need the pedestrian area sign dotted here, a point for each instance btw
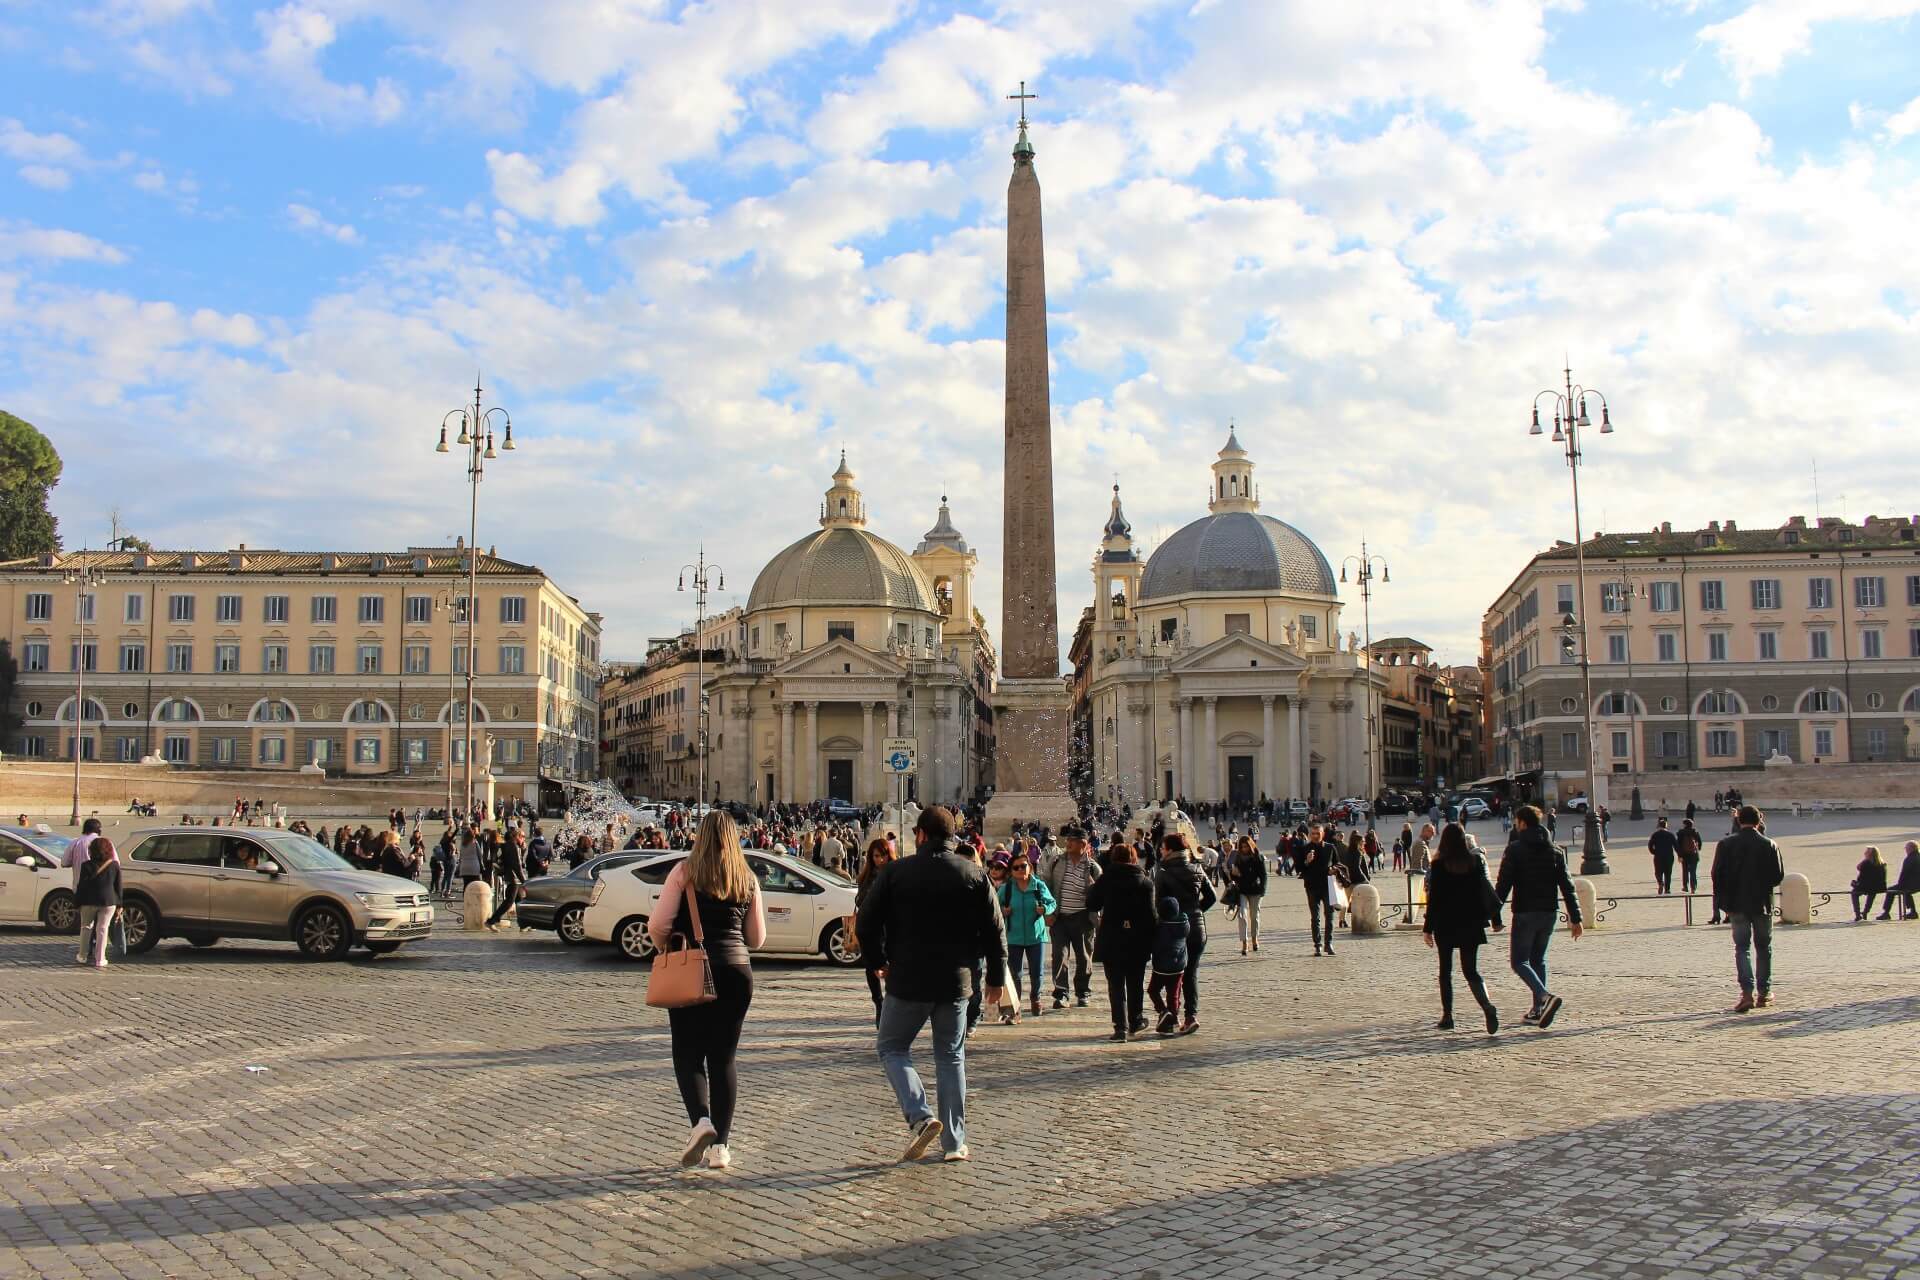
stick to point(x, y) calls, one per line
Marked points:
point(897, 755)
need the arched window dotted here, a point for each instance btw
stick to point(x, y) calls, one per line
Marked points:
point(176, 710)
point(1912, 701)
point(368, 711)
point(1614, 703)
point(94, 710)
point(272, 711)
point(1720, 702)
point(1815, 702)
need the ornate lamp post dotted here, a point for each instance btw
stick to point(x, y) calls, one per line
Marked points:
point(1569, 420)
point(699, 573)
point(88, 581)
point(1365, 568)
point(476, 440)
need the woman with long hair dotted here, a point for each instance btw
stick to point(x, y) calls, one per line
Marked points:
point(716, 881)
point(1460, 905)
point(1247, 873)
point(878, 856)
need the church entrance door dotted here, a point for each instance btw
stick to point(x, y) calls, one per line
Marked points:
point(840, 780)
point(1240, 781)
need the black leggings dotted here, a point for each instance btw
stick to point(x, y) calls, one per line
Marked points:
point(1469, 969)
point(706, 1038)
point(1126, 991)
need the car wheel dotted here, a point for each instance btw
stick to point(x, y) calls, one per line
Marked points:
point(60, 912)
point(838, 947)
point(571, 925)
point(323, 934)
point(383, 948)
point(632, 938)
point(142, 924)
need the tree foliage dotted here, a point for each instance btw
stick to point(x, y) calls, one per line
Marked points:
point(29, 468)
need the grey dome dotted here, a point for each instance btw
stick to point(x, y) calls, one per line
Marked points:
point(1237, 551)
point(842, 565)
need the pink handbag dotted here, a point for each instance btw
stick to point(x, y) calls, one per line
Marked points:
point(682, 975)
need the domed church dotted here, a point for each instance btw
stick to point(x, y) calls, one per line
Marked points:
point(847, 640)
point(1217, 671)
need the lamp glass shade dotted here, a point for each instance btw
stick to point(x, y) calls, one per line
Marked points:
point(442, 446)
point(506, 446)
point(1585, 421)
point(463, 437)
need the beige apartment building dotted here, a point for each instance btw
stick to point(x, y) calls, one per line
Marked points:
point(353, 662)
point(649, 737)
point(1429, 718)
point(1714, 648)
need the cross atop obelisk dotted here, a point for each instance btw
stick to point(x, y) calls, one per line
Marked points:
point(1030, 701)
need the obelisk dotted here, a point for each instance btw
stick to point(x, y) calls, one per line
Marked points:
point(1031, 714)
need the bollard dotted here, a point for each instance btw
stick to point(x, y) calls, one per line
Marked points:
point(1589, 902)
point(1365, 906)
point(1796, 899)
point(476, 905)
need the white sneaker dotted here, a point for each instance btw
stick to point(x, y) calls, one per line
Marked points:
point(718, 1157)
point(699, 1139)
point(80, 957)
point(958, 1154)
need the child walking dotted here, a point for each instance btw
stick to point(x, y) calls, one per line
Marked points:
point(1169, 966)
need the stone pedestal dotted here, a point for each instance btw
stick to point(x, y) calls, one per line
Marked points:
point(1366, 908)
point(1796, 899)
point(1032, 720)
point(476, 904)
point(1589, 901)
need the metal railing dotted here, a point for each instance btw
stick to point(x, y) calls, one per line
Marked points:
point(1605, 905)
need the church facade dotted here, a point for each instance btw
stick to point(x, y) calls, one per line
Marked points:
point(847, 640)
point(1217, 671)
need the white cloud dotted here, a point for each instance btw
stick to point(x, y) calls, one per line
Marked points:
point(1905, 122)
point(293, 38)
point(309, 219)
point(46, 177)
point(1757, 41)
point(22, 240)
point(17, 142)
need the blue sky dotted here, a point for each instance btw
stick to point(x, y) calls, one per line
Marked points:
point(250, 254)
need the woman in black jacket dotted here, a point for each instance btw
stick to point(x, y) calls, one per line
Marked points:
point(1869, 881)
point(98, 893)
point(1248, 876)
point(1179, 877)
point(879, 854)
point(1460, 905)
point(1123, 897)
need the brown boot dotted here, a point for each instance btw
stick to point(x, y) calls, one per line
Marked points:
point(1746, 1003)
point(1762, 1000)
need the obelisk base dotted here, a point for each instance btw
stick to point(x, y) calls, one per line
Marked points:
point(1031, 719)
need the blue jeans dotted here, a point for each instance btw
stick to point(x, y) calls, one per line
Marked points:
point(900, 1023)
point(1757, 932)
point(1532, 930)
point(1030, 954)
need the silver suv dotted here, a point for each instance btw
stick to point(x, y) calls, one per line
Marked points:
point(204, 884)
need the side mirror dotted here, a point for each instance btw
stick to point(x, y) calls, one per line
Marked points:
point(25, 860)
point(268, 869)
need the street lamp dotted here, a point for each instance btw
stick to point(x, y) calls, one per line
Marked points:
point(88, 581)
point(1365, 568)
point(699, 572)
point(1569, 420)
point(476, 441)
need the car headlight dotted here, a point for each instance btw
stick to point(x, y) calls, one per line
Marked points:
point(378, 901)
point(599, 887)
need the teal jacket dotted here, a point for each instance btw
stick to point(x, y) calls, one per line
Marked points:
point(1025, 926)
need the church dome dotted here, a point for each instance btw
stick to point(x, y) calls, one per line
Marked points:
point(842, 563)
point(842, 566)
point(1237, 551)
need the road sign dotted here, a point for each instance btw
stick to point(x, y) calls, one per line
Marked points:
point(896, 754)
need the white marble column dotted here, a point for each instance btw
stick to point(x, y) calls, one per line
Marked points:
point(745, 745)
point(1297, 730)
point(1149, 785)
point(869, 789)
point(1183, 783)
point(786, 787)
point(1210, 743)
point(812, 748)
point(1267, 753)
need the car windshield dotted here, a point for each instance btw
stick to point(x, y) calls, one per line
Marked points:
point(53, 846)
point(824, 873)
point(298, 853)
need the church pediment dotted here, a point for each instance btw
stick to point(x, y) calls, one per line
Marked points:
point(1238, 652)
point(840, 658)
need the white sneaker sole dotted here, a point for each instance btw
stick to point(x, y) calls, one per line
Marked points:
point(697, 1149)
point(928, 1135)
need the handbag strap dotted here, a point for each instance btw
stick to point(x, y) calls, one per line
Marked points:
point(692, 900)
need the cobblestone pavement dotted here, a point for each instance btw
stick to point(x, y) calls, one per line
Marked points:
point(494, 1106)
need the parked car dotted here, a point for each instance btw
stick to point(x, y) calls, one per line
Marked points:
point(559, 902)
point(1577, 805)
point(806, 907)
point(33, 884)
point(844, 810)
point(1353, 807)
point(204, 884)
point(1392, 802)
point(1296, 810)
point(1475, 807)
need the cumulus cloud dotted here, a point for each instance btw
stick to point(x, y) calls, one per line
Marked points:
point(309, 219)
point(1758, 41)
point(20, 240)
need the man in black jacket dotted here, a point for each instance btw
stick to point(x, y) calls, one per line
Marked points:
point(1664, 848)
point(924, 923)
point(1316, 867)
point(1534, 871)
point(1747, 868)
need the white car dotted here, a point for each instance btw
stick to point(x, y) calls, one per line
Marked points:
point(1475, 807)
point(1577, 805)
point(806, 907)
point(33, 884)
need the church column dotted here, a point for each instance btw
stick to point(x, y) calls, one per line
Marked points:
point(1297, 726)
point(1148, 786)
point(786, 788)
point(869, 757)
point(812, 747)
point(1267, 753)
point(1210, 743)
point(1183, 783)
point(745, 745)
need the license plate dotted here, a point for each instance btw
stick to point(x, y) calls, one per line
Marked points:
point(421, 917)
